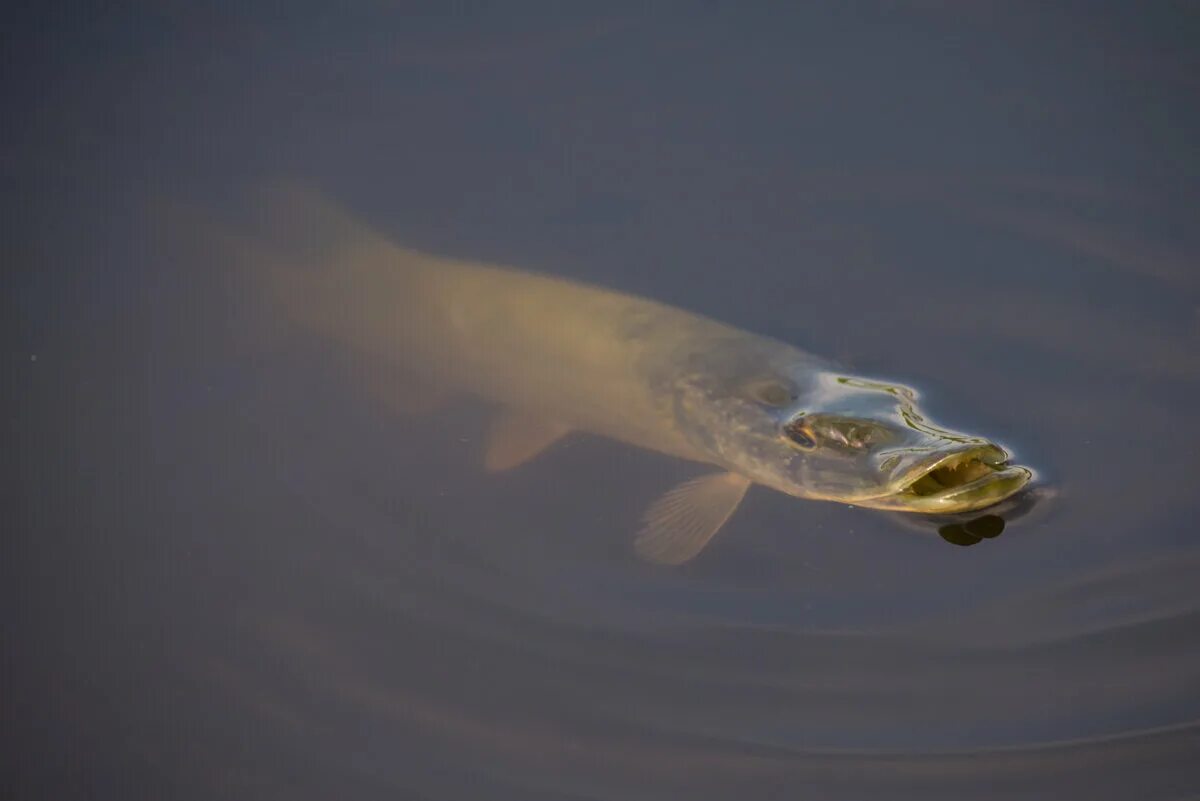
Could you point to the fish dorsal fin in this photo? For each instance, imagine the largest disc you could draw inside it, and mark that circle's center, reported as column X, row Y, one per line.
column 515, row 438
column 679, row 524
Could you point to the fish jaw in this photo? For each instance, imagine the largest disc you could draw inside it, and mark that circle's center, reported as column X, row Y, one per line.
column 958, row 480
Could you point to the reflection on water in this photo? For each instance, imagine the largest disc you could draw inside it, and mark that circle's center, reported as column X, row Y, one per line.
column 971, row 528
column 972, row 531
column 241, row 574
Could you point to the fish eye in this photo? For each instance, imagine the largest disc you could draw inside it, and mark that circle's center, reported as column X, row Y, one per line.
column 773, row 393
column 798, row 434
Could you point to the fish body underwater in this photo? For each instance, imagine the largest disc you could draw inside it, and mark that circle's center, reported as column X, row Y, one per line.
column 560, row 357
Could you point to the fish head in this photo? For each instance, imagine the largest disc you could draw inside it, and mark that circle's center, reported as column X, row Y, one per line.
column 820, row 434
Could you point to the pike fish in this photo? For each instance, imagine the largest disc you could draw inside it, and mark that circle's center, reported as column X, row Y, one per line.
column 560, row 357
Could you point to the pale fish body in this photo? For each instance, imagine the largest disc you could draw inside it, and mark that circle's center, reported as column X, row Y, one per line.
column 560, row 356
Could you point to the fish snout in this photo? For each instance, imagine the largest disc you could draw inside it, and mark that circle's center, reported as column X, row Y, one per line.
column 962, row 477
column 909, row 463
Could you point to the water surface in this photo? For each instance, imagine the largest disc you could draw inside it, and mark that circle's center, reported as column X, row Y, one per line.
column 237, row 574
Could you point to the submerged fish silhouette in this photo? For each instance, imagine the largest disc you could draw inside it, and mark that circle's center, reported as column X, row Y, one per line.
column 560, row 356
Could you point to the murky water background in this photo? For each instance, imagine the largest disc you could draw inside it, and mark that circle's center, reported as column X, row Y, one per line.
column 236, row 574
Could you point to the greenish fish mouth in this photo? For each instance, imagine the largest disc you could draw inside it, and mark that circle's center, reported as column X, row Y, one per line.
column 959, row 481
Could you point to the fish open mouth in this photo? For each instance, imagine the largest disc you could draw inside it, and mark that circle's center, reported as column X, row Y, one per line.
column 960, row 481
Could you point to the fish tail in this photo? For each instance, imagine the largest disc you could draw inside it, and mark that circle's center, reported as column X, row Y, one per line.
column 288, row 262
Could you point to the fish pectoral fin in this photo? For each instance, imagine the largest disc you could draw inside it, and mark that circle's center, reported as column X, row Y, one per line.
column 679, row 524
column 515, row 438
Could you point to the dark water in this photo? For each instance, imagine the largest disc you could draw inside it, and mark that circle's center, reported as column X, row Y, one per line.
column 236, row 574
